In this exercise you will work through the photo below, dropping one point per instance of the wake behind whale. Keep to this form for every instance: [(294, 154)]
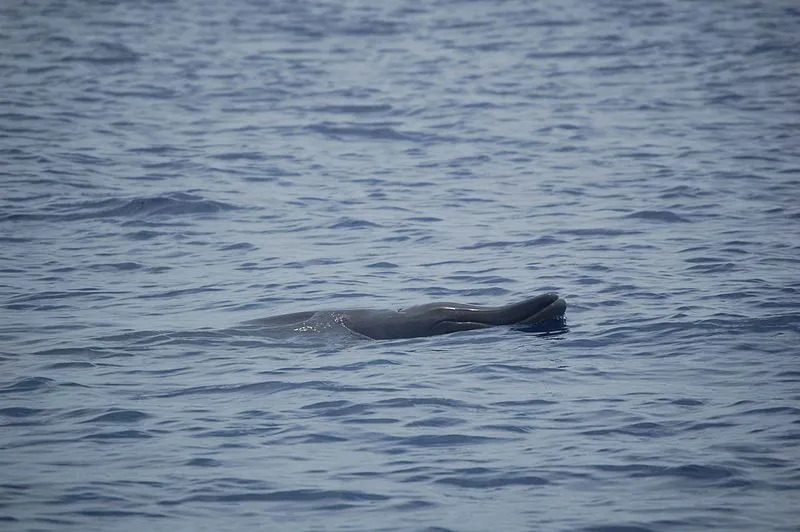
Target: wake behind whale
[(542, 313)]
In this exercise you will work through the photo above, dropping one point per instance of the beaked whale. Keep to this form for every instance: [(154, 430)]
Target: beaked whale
[(423, 320)]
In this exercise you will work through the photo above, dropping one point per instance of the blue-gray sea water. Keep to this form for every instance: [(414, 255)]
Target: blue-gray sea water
[(173, 169)]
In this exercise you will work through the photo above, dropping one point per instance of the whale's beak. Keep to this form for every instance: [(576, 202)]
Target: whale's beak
[(552, 308)]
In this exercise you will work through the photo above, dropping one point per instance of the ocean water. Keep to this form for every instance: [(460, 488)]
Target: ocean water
[(173, 169)]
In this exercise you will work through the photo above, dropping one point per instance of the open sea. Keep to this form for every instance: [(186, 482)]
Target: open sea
[(170, 170)]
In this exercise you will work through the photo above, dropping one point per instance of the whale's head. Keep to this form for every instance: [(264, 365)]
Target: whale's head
[(443, 318)]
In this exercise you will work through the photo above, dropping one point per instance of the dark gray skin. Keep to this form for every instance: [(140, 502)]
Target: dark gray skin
[(423, 320)]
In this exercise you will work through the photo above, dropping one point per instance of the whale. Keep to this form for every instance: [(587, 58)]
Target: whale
[(429, 319)]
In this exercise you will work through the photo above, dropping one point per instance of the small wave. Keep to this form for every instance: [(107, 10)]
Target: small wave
[(574, 54), (516, 429), (617, 528), (535, 242), (144, 91), (658, 216), (203, 462), (238, 246), (375, 132), (69, 365), (143, 235), (168, 205), (339, 410), (369, 26), (713, 268), (313, 438), (414, 402), (438, 440), (105, 53), (488, 482), (530, 402), (300, 495), (19, 412), (790, 410), (598, 231), (710, 473), (239, 156), (35, 301), (28, 384), (116, 266), (14, 240), (120, 513), (119, 416), (700, 472), (438, 421), (118, 435), (352, 109), (270, 387), (645, 428), (352, 223), (382, 265), (357, 366), (169, 294), (507, 369)]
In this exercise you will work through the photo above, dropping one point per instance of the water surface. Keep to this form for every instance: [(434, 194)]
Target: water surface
[(171, 170)]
